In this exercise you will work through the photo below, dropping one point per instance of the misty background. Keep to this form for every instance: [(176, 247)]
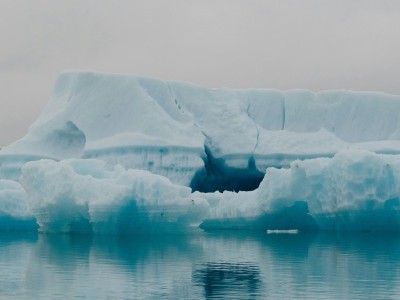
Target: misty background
[(283, 44)]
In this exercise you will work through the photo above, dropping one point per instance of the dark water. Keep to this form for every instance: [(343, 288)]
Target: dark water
[(224, 265)]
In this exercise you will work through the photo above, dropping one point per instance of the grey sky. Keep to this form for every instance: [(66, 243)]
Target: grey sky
[(313, 44)]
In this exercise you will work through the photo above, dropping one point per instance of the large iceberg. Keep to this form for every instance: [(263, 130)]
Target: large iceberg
[(118, 153)]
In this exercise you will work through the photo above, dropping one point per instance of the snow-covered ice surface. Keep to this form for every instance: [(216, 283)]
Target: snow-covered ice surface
[(113, 153)]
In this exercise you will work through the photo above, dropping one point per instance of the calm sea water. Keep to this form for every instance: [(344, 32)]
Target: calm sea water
[(219, 265)]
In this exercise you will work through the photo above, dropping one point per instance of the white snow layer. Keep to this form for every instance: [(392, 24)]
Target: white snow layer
[(335, 153), (138, 122)]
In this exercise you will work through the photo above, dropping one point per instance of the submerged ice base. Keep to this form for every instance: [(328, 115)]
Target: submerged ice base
[(118, 153)]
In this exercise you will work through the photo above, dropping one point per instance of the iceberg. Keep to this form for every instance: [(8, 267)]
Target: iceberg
[(122, 153)]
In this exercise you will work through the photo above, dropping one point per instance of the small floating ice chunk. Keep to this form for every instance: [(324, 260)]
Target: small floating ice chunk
[(288, 231)]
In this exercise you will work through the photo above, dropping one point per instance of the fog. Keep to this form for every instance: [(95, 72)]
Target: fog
[(311, 44)]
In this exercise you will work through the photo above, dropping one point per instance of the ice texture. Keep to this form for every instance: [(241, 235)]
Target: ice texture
[(80, 196), (126, 120), (14, 211), (354, 190), (165, 126), (114, 153)]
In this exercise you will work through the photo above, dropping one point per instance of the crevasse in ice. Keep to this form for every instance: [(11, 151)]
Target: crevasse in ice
[(118, 153)]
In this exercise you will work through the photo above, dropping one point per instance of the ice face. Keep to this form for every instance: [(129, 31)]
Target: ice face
[(13, 199), (14, 211), (121, 119), (174, 129), (80, 196), (354, 190), (105, 139)]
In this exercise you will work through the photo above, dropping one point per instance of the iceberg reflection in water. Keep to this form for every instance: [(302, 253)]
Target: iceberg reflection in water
[(228, 279), (234, 265)]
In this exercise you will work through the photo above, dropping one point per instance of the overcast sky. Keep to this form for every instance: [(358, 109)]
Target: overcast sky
[(313, 44)]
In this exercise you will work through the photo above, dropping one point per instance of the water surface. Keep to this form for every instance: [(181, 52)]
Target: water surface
[(217, 265)]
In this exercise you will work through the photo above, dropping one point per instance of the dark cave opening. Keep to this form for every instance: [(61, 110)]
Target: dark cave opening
[(216, 176)]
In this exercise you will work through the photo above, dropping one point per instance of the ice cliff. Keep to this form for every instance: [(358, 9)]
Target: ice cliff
[(111, 149)]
